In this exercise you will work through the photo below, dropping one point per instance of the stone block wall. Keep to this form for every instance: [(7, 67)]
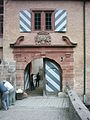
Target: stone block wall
[(8, 72)]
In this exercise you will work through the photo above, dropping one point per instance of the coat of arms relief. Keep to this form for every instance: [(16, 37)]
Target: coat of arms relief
[(43, 38)]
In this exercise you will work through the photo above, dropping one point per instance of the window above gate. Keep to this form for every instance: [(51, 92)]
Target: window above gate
[(37, 21), (43, 20)]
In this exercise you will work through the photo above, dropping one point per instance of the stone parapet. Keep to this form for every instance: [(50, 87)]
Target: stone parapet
[(77, 109)]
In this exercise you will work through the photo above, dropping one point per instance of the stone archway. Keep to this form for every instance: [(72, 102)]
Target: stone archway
[(62, 54)]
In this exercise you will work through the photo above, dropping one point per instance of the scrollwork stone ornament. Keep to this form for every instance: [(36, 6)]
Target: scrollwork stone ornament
[(43, 38)]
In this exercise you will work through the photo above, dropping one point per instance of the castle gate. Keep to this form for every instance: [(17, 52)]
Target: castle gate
[(60, 58)]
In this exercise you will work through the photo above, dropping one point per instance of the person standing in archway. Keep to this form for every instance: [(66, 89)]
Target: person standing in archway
[(37, 80)]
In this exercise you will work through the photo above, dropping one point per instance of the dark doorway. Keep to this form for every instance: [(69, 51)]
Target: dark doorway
[(33, 86)]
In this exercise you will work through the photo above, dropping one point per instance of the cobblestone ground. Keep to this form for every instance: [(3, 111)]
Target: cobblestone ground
[(37, 108)]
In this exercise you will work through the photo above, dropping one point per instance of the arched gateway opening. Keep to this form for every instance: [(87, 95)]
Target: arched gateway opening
[(57, 68), (50, 81), (32, 85)]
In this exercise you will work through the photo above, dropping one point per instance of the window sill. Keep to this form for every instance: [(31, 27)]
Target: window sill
[(48, 31)]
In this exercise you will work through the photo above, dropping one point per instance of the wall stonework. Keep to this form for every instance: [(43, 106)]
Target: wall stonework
[(74, 32), (8, 72)]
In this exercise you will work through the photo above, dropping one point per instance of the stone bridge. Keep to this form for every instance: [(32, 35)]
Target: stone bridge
[(63, 107)]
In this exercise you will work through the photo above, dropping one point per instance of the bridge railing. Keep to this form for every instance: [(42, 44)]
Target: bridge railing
[(77, 109)]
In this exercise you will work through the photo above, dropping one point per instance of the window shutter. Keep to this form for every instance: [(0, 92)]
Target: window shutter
[(60, 20), (25, 21)]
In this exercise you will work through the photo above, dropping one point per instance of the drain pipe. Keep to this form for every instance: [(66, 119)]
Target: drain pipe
[(84, 39)]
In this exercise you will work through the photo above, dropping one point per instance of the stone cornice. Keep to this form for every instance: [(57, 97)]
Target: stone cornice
[(68, 44)]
